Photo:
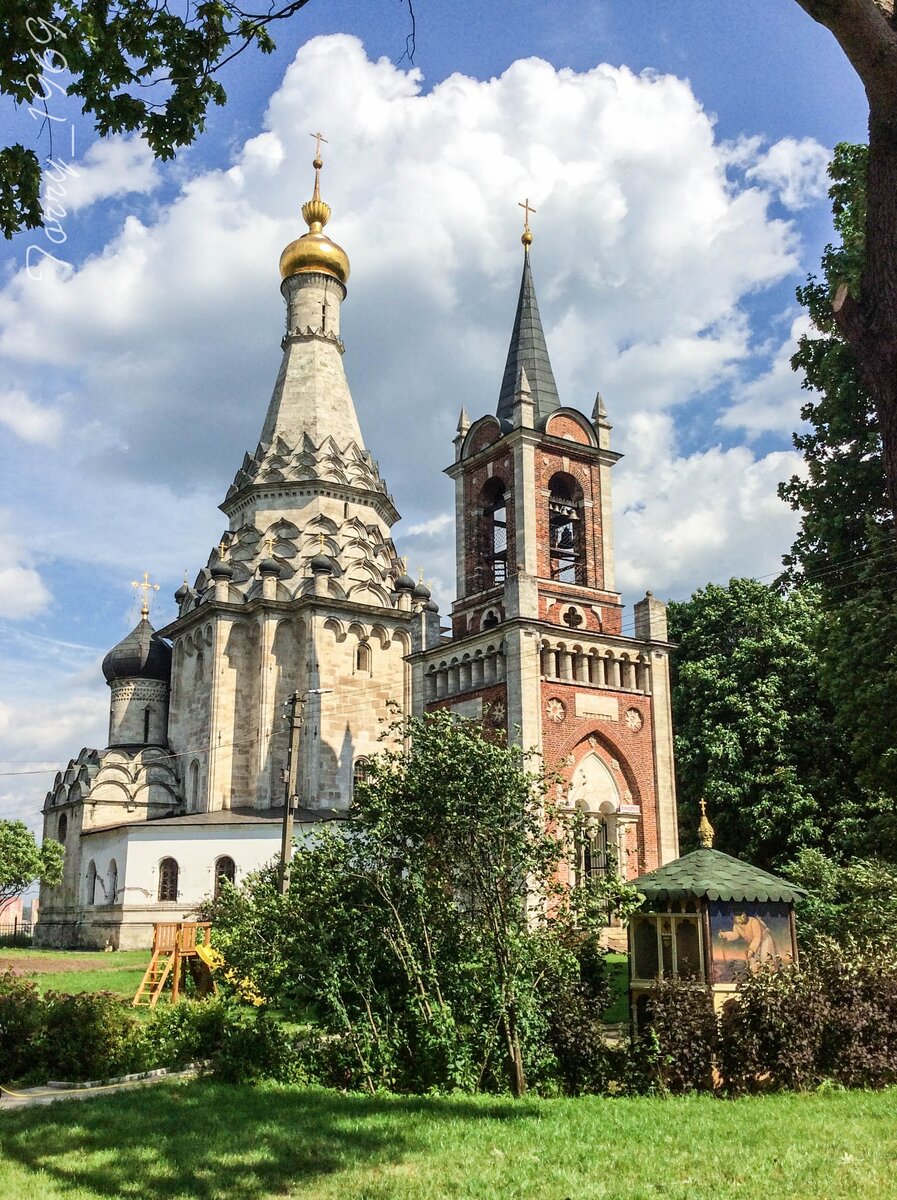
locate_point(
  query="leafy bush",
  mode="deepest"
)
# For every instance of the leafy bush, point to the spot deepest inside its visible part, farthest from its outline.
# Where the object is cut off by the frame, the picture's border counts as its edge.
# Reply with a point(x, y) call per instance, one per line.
point(255, 1046)
point(852, 903)
point(187, 1032)
point(835, 1019)
point(20, 1023)
point(680, 1043)
point(92, 1035)
point(771, 1033)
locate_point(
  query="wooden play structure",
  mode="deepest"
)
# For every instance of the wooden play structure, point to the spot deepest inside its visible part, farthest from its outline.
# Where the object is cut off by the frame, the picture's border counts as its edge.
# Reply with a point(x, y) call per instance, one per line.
point(178, 946)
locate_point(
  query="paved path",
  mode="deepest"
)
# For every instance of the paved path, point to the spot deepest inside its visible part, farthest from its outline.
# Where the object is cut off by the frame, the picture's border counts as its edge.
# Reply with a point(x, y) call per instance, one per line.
point(29, 1097)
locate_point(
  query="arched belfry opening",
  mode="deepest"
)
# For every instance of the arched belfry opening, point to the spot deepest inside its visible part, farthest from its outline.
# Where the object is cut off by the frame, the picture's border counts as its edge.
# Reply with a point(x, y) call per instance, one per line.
point(493, 534)
point(565, 530)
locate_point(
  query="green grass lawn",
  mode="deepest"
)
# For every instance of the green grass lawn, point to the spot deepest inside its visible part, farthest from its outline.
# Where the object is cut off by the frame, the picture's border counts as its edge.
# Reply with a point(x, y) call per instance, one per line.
point(206, 1141)
point(79, 970)
point(618, 972)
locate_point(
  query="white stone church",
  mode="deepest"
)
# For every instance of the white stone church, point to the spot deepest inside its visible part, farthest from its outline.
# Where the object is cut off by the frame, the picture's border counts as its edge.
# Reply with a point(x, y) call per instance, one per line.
point(306, 594)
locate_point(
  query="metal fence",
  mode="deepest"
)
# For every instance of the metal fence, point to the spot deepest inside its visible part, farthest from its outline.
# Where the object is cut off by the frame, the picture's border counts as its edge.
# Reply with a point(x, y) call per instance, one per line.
point(14, 933)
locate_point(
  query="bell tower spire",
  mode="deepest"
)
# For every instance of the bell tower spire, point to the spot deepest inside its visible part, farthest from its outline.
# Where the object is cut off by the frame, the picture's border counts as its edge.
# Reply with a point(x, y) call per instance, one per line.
point(528, 352)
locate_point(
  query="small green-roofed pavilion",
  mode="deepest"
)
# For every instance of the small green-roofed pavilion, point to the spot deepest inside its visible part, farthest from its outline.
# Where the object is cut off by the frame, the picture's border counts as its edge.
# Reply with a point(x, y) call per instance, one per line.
point(710, 874)
point(705, 918)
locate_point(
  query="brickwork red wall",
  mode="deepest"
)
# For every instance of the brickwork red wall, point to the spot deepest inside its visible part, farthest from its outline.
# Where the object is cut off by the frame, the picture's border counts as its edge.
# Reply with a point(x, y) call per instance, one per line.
point(565, 743)
point(475, 481)
point(564, 426)
point(583, 469)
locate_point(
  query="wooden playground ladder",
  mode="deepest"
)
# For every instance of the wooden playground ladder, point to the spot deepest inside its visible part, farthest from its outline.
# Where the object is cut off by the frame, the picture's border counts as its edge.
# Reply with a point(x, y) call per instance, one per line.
point(173, 942)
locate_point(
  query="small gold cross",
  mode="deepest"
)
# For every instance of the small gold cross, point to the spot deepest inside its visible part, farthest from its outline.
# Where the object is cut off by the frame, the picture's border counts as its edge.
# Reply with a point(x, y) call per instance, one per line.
point(319, 137)
point(146, 587)
point(223, 550)
point(526, 212)
point(270, 542)
point(320, 543)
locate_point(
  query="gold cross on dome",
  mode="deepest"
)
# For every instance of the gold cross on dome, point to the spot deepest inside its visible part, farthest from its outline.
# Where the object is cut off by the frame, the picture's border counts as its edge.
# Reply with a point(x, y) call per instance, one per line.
point(270, 542)
point(321, 546)
point(319, 137)
point(146, 587)
point(526, 211)
point(223, 550)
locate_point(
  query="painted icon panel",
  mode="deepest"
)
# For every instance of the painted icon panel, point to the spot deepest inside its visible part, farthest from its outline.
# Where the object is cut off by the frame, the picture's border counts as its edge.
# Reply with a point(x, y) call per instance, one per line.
point(746, 935)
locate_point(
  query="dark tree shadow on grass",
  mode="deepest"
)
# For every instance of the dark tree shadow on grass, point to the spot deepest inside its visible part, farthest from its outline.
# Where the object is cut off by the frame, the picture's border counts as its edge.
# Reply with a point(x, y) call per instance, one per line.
point(207, 1141)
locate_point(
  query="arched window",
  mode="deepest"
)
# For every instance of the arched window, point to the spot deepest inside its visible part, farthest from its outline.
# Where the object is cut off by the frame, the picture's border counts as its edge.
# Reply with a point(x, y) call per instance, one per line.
point(360, 771)
point(112, 882)
point(62, 828)
point(168, 880)
point(147, 713)
point(194, 786)
point(595, 857)
point(493, 534)
point(200, 666)
point(90, 887)
point(225, 868)
point(363, 658)
point(565, 533)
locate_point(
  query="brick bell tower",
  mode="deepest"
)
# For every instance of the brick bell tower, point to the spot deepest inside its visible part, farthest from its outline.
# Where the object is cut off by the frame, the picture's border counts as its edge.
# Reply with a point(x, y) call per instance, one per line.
point(538, 644)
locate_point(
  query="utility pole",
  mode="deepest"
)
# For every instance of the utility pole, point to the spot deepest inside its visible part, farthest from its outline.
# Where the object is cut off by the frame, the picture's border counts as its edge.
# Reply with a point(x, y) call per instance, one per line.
point(294, 707)
point(294, 716)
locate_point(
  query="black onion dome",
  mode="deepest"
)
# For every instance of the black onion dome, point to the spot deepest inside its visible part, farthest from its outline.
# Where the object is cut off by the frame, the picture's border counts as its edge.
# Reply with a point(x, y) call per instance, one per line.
point(432, 606)
point(141, 655)
point(221, 570)
point(269, 566)
point(421, 592)
point(182, 593)
point(404, 583)
point(321, 565)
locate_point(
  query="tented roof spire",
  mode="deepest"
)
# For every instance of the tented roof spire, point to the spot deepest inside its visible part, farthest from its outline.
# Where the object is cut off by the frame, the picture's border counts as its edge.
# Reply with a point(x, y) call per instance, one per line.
point(528, 352)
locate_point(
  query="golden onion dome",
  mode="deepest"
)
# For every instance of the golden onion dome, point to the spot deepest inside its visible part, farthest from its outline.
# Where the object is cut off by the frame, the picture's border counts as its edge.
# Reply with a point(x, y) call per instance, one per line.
point(314, 251)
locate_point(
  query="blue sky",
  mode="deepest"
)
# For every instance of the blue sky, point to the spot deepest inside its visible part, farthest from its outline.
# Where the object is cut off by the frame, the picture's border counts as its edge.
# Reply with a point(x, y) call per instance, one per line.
point(675, 155)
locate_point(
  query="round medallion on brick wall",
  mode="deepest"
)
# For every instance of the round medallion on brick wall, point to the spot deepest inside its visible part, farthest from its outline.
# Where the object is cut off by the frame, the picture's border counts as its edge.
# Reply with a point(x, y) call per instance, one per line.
point(634, 719)
point(497, 713)
point(555, 710)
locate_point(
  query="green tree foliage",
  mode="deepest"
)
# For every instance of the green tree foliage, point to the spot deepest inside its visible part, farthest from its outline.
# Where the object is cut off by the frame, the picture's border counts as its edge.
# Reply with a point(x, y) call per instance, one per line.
point(853, 904)
point(753, 730)
point(427, 934)
point(846, 546)
point(22, 862)
point(134, 65)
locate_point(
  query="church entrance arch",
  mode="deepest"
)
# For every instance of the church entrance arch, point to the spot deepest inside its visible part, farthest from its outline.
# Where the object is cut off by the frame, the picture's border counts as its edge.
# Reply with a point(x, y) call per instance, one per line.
point(596, 796)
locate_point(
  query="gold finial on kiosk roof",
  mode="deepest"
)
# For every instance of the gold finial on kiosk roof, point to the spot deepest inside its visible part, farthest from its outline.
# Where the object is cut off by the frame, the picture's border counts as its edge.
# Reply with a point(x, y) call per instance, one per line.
point(705, 829)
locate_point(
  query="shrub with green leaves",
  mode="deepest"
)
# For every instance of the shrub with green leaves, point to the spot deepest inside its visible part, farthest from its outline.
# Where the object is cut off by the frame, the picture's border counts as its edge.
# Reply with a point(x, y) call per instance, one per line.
point(91, 1035)
point(683, 1034)
point(21, 1018)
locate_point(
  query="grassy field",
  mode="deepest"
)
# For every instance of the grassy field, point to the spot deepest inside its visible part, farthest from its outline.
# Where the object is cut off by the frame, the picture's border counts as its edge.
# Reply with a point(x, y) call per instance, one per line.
point(79, 970)
point(205, 1141)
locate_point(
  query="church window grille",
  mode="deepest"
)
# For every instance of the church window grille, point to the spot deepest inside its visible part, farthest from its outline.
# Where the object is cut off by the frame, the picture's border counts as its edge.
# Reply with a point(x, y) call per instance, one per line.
point(363, 658)
point(360, 772)
point(225, 869)
point(112, 886)
point(91, 888)
point(565, 532)
point(147, 713)
point(595, 852)
point(62, 828)
point(494, 534)
point(168, 880)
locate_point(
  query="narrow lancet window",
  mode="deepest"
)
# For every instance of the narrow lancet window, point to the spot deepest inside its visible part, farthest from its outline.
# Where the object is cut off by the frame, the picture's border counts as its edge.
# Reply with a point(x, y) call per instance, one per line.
point(494, 534)
point(565, 531)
